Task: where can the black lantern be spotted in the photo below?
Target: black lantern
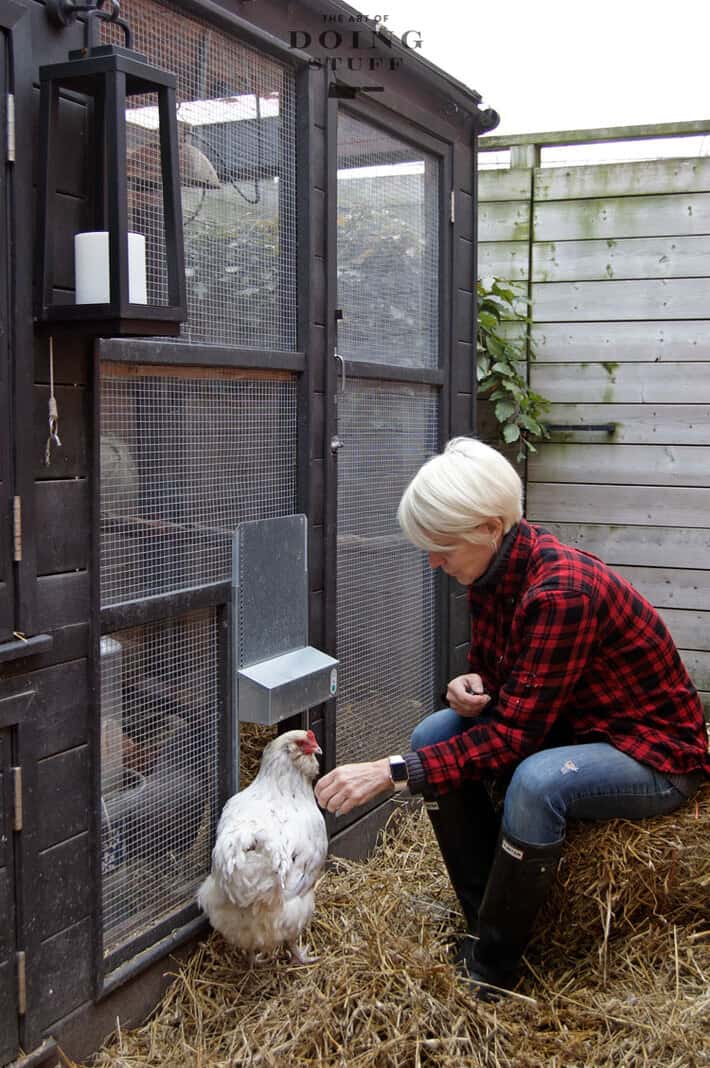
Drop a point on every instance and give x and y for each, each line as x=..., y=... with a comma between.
x=129, y=271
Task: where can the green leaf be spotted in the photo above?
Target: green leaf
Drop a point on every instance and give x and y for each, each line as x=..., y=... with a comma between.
x=504, y=409
x=488, y=320
x=503, y=369
x=511, y=433
x=529, y=424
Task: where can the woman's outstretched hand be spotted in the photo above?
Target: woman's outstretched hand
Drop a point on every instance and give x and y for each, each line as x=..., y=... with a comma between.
x=350, y=785
x=466, y=695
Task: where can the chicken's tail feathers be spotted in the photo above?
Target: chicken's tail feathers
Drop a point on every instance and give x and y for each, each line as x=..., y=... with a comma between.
x=210, y=895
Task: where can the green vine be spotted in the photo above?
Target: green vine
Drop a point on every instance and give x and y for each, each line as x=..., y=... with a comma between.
x=499, y=356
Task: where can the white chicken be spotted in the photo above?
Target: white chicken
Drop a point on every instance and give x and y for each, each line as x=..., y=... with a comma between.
x=270, y=849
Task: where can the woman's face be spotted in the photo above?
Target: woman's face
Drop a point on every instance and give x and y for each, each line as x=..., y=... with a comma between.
x=466, y=561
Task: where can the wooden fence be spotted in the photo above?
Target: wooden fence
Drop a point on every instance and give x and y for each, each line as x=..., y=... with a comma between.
x=616, y=261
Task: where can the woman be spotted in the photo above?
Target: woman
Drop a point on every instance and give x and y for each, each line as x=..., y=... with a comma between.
x=577, y=703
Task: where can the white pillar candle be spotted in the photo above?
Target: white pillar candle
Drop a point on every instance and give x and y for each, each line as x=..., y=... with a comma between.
x=91, y=268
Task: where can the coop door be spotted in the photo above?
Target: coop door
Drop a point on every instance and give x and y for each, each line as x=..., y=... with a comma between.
x=388, y=419
x=8, y=961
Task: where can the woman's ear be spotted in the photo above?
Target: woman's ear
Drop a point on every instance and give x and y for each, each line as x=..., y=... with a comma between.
x=494, y=527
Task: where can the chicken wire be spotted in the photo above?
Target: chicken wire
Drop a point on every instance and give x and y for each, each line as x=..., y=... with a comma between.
x=388, y=247
x=236, y=115
x=186, y=455
x=387, y=593
x=159, y=769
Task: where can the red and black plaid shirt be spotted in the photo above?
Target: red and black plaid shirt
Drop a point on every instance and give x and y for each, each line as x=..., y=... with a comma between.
x=559, y=639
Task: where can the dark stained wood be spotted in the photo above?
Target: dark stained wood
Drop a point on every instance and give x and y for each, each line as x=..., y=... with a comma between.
x=71, y=460
x=62, y=510
x=463, y=314
x=462, y=376
x=61, y=977
x=64, y=889
x=59, y=807
x=62, y=599
x=8, y=987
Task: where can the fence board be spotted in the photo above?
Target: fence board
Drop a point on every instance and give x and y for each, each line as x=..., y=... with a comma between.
x=634, y=257
x=507, y=221
x=698, y=665
x=644, y=216
x=658, y=298
x=504, y=185
x=636, y=505
x=652, y=341
x=504, y=259
x=623, y=179
x=636, y=383
x=631, y=465
x=667, y=587
x=642, y=546
x=635, y=424
x=690, y=630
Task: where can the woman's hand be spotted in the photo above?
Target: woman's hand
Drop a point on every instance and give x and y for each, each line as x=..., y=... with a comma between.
x=465, y=695
x=350, y=785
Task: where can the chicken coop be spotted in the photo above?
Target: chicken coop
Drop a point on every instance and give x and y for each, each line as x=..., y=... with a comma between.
x=286, y=328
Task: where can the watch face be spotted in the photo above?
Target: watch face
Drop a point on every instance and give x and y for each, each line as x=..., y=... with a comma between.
x=398, y=770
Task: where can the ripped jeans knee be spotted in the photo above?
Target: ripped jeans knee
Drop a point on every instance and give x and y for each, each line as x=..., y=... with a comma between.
x=585, y=782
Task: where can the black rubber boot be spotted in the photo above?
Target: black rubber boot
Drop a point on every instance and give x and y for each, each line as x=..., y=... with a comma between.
x=466, y=827
x=520, y=878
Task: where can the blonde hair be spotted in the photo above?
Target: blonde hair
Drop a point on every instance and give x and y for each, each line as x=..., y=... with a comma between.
x=456, y=491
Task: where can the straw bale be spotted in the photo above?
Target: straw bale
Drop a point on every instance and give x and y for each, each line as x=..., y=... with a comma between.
x=619, y=970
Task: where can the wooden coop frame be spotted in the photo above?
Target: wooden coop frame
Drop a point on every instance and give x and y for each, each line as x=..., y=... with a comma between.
x=57, y=984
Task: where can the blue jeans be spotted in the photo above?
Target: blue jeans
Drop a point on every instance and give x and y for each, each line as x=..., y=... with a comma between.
x=592, y=781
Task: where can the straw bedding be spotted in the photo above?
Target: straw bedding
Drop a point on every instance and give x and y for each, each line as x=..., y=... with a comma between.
x=620, y=969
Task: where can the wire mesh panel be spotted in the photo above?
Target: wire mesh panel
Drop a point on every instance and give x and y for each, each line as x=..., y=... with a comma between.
x=388, y=247
x=159, y=724
x=186, y=455
x=236, y=118
x=386, y=591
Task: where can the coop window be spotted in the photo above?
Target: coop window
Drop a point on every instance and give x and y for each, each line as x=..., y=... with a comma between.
x=159, y=769
x=388, y=247
x=186, y=455
x=386, y=591
x=236, y=119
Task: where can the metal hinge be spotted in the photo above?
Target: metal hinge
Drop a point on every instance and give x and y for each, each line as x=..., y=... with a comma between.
x=452, y=208
x=21, y=983
x=17, y=528
x=18, y=818
x=10, y=128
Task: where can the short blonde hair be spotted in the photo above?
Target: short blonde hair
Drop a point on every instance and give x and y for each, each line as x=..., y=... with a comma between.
x=456, y=491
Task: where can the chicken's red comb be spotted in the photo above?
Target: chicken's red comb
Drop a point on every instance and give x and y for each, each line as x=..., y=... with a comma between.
x=310, y=743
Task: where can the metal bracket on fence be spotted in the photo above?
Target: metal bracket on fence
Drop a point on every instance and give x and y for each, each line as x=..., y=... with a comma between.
x=607, y=428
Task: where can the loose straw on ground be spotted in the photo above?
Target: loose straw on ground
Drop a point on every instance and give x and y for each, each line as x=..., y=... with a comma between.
x=620, y=969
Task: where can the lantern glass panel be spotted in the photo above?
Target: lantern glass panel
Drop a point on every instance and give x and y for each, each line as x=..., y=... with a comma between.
x=236, y=121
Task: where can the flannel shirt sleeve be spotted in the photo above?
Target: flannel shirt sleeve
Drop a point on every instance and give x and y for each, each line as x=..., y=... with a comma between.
x=560, y=629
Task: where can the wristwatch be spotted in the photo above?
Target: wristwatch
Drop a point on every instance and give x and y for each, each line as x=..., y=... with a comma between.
x=398, y=773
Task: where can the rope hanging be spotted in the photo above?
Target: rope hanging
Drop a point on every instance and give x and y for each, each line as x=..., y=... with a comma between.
x=53, y=438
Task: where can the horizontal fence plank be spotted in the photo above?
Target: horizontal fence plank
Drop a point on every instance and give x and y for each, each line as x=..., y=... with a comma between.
x=641, y=546
x=668, y=587
x=635, y=424
x=698, y=664
x=690, y=630
x=504, y=184
x=644, y=216
x=623, y=179
x=623, y=465
x=636, y=505
x=652, y=341
x=633, y=257
x=657, y=298
x=504, y=259
x=625, y=383
x=504, y=221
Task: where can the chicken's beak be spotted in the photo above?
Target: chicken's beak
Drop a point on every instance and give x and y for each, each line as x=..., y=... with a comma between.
x=318, y=751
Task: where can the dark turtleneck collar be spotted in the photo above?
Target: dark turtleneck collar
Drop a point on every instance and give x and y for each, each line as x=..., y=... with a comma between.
x=505, y=572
